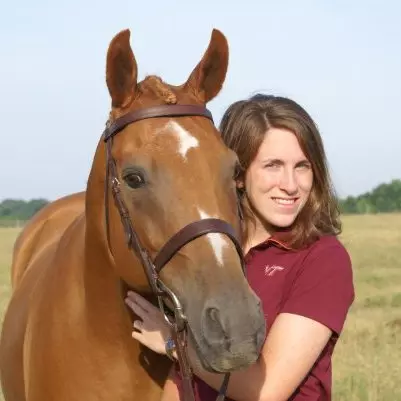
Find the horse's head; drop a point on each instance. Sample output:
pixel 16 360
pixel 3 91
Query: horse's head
pixel 173 171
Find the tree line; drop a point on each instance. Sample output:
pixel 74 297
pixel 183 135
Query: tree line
pixel 384 198
pixel 18 209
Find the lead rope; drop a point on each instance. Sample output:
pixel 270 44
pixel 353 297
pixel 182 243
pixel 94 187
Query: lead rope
pixel 223 388
pixel 180 340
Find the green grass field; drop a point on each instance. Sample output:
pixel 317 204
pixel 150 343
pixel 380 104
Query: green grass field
pixel 367 362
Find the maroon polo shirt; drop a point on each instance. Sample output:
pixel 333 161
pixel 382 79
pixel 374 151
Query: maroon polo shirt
pixel 315 282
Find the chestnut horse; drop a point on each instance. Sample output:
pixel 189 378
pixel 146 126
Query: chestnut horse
pixel 66 334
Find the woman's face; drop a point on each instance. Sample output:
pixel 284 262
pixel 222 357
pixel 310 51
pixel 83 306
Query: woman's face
pixel 279 180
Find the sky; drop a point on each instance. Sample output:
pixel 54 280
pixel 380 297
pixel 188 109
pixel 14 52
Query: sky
pixel 341 60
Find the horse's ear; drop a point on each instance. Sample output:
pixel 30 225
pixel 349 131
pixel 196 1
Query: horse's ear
pixel 121 70
pixel 208 76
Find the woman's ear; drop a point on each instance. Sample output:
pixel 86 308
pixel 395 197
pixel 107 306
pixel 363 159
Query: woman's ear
pixel 240 185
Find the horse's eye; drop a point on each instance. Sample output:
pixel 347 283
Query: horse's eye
pixel 134 180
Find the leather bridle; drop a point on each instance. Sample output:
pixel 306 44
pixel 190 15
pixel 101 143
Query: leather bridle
pixel 187 234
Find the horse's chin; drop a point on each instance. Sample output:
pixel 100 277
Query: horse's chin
pixel 215 361
pixel 198 356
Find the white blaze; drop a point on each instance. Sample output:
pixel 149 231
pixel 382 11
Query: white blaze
pixel 185 140
pixel 217 241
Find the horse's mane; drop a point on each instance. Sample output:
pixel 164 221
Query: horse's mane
pixel 160 89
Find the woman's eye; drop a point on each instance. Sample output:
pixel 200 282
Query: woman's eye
pixel 134 180
pixel 304 166
pixel 271 165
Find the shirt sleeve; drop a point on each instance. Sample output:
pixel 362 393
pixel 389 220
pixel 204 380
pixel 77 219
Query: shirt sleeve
pixel 323 290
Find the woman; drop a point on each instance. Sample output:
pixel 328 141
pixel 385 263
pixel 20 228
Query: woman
pixel 295 263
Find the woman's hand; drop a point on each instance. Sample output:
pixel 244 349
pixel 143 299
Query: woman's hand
pixel 153 330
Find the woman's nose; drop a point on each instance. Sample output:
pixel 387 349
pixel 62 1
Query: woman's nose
pixel 288 181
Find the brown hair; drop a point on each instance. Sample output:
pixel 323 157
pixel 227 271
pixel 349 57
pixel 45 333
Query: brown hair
pixel 243 128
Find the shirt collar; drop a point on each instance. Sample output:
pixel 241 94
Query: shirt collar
pixel 279 239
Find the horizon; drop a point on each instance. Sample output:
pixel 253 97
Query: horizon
pixel 340 198
pixel 341 62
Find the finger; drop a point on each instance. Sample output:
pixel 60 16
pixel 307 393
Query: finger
pixel 137 308
pixel 134 297
pixel 138 336
pixel 148 343
pixel 145 304
pixel 138 325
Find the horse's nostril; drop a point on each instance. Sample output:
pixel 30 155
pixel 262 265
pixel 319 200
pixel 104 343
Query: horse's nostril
pixel 213 327
pixel 214 314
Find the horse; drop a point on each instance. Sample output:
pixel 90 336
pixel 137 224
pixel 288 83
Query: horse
pixel 161 191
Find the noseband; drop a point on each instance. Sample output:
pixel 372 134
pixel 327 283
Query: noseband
pixel 187 234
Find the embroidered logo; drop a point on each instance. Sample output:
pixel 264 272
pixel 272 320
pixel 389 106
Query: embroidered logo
pixel 271 270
